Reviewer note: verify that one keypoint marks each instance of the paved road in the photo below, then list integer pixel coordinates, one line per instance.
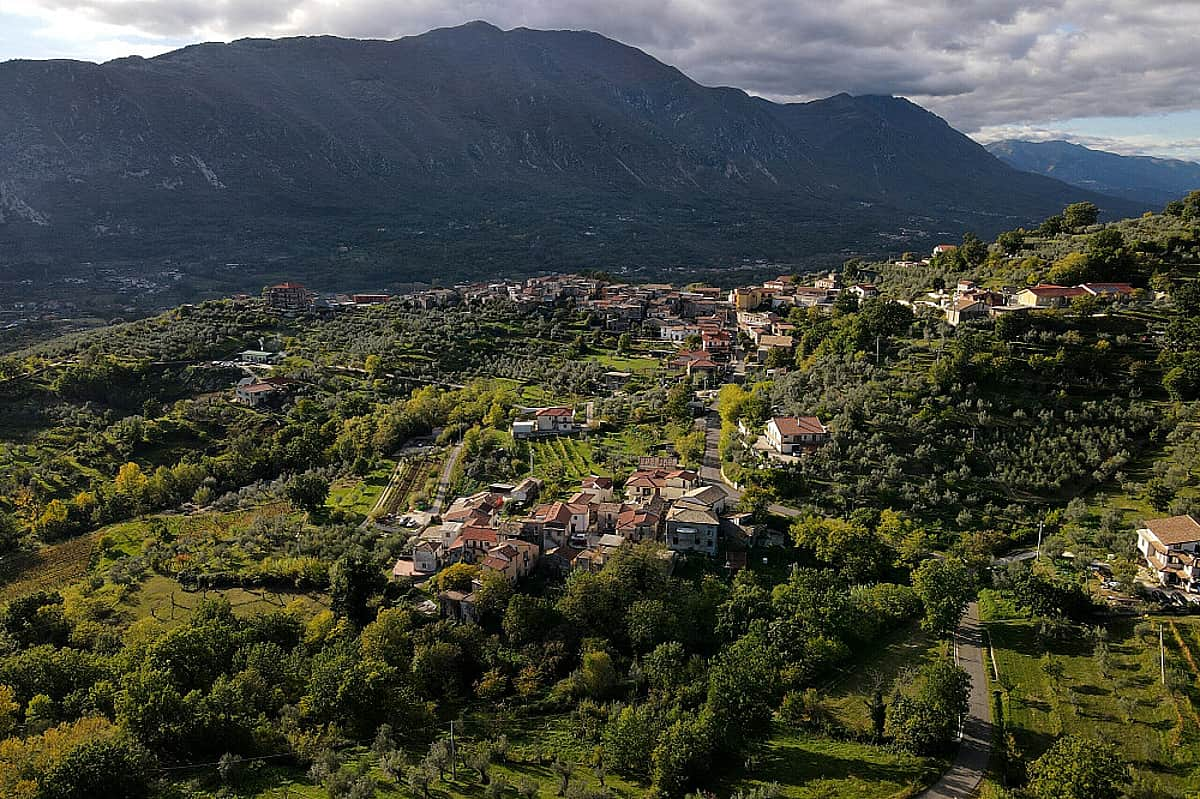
(444, 482)
(964, 776)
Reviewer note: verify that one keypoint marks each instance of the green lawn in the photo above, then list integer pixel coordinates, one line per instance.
(626, 363)
(1058, 687)
(358, 495)
(906, 648)
(165, 600)
(812, 767)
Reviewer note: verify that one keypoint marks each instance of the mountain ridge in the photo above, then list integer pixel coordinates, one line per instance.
(1135, 177)
(519, 141)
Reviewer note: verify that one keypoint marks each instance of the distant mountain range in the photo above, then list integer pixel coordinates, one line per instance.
(471, 150)
(1138, 178)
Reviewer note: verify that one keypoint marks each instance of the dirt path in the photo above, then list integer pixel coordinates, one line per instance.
(964, 776)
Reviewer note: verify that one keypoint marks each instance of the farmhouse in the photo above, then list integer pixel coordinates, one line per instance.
(1171, 548)
(1047, 295)
(787, 435)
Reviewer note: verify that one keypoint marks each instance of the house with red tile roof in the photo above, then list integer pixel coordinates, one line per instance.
(1048, 295)
(1171, 548)
(787, 435)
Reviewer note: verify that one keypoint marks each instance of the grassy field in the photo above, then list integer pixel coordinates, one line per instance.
(47, 568)
(165, 600)
(534, 742)
(812, 767)
(627, 363)
(356, 495)
(1052, 688)
(906, 648)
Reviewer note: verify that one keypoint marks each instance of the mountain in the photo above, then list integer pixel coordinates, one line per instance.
(1140, 178)
(468, 150)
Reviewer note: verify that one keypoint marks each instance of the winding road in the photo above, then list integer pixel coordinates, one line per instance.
(962, 779)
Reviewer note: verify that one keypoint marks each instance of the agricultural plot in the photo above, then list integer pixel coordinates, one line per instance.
(907, 648)
(166, 601)
(48, 568)
(533, 744)
(1112, 692)
(357, 496)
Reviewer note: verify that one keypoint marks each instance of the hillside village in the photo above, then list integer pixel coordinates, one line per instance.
(705, 335)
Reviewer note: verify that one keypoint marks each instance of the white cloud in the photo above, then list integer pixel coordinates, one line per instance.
(980, 64)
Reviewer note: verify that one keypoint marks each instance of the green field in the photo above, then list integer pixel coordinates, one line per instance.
(534, 742)
(357, 496)
(627, 363)
(1054, 688)
(907, 648)
(165, 600)
(812, 767)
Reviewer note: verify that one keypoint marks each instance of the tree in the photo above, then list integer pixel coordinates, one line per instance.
(8, 711)
(1085, 306)
(1072, 268)
(1078, 768)
(678, 398)
(493, 594)
(927, 707)
(690, 447)
(945, 587)
(308, 491)
(1080, 215)
(457, 577)
(847, 546)
(1011, 241)
(624, 343)
(1159, 494)
(353, 580)
(598, 675)
(756, 500)
(563, 769)
(104, 767)
(130, 481)
(648, 623)
(1052, 226)
(743, 688)
(418, 780)
(973, 250)
(10, 532)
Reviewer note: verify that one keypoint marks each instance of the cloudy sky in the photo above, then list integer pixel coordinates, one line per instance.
(1116, 74)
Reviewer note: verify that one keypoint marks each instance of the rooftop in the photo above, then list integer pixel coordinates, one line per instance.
(1175, 529)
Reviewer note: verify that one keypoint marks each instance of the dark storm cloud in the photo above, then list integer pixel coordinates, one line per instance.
(979, 63)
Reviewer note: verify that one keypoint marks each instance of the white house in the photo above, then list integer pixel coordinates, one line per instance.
(427, 556)
(555, 420)
(1171, 548)
(255, 394)
(788, 434)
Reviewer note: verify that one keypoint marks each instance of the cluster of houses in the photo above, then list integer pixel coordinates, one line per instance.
(505, 529)
(972, 302)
